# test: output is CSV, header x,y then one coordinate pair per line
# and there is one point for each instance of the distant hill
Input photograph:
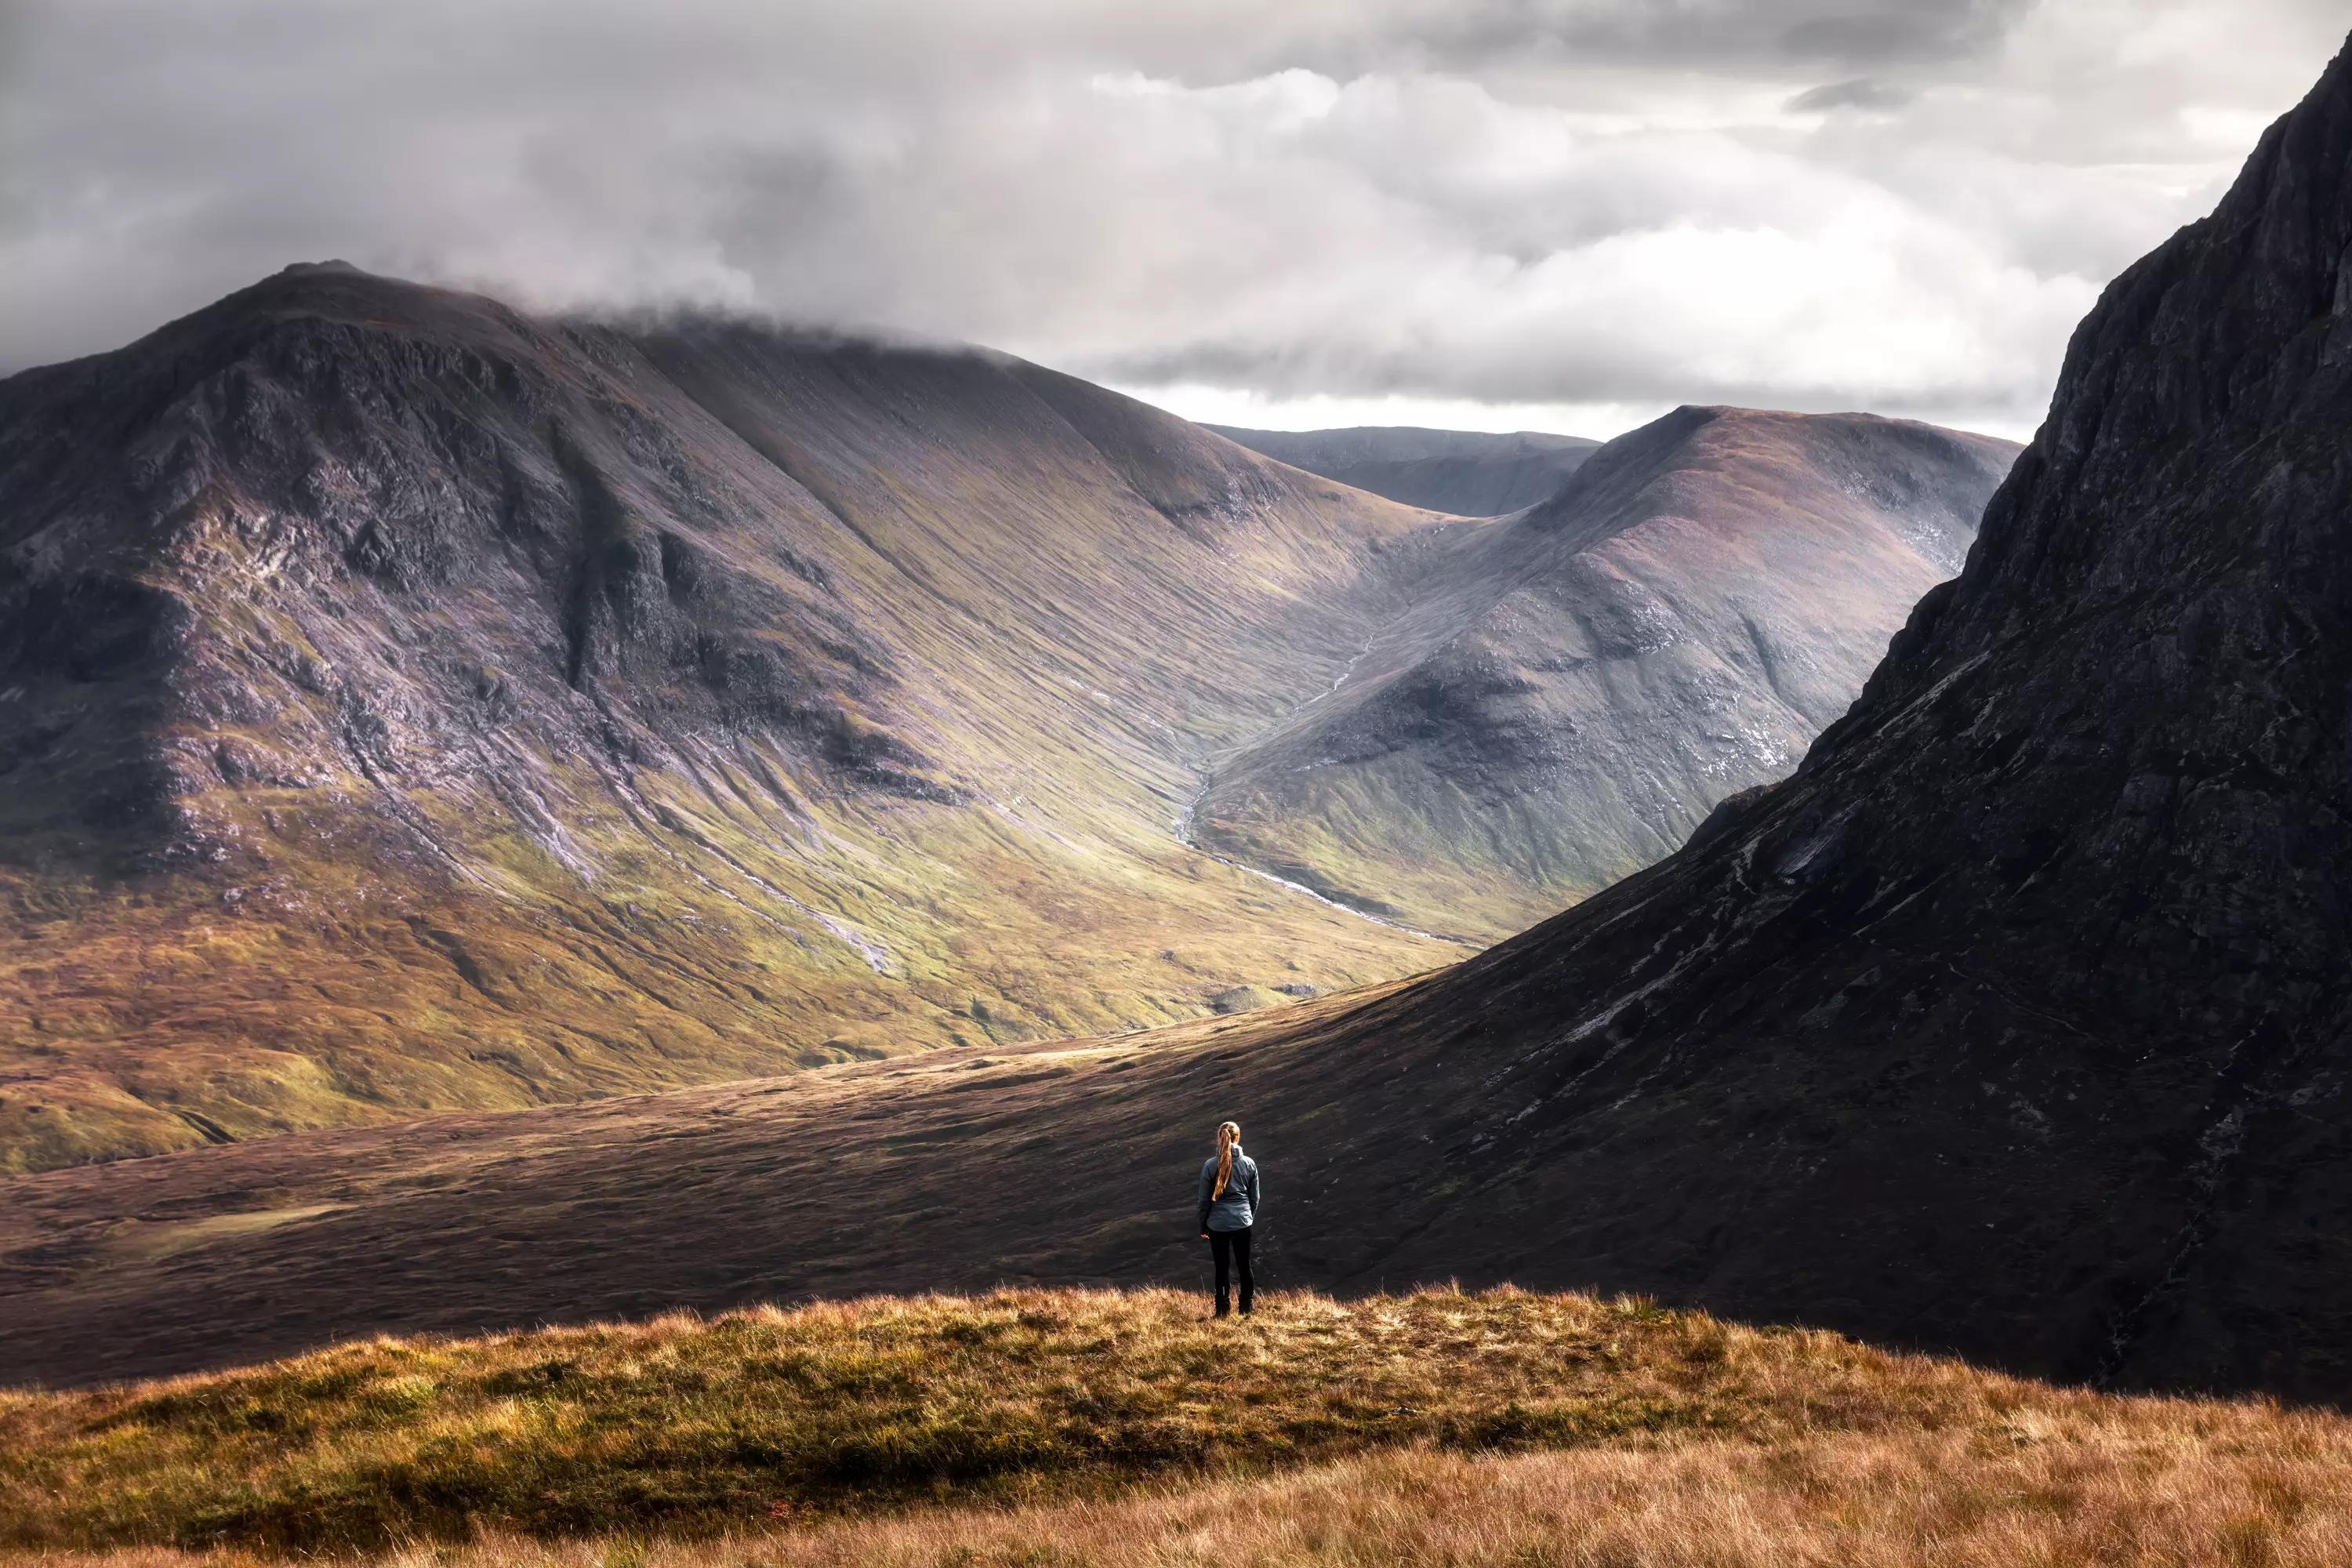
x,y
1576,688
1469,473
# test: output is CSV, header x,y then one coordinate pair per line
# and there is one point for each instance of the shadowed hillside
x,y
1466,473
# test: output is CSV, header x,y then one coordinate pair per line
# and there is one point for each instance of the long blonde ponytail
x,y
1229,1138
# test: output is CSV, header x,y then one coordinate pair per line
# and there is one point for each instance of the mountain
x,y
1469,473
1579,685
406,704
2012,1023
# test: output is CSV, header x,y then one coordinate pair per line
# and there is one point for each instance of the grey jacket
x,y
1237,1210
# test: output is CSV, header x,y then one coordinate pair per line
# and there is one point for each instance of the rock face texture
x,y
1577,686
1466,473
408,704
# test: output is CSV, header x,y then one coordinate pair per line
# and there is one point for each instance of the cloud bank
x,y
1564,212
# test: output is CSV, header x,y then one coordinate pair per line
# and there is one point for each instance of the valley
x,y
2010,1025
653,916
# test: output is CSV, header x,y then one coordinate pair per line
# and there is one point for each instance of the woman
x,y
1229,1202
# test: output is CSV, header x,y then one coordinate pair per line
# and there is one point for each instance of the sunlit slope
x,y
407,703
1581,684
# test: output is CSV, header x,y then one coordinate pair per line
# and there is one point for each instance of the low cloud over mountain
x,y
1597,208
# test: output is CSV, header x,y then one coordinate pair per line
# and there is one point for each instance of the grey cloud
x,y
1770,35
1860,93
1520,201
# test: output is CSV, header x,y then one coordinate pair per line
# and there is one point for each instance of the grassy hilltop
x,y
1096,1427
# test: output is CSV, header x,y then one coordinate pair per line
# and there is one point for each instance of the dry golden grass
x,y
1079,1427
2170,1487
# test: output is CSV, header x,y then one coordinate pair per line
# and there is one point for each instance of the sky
x,y
1563,214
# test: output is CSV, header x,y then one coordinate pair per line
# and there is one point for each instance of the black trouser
x,y
1228,1247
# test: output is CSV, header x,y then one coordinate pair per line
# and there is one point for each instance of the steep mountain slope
x,y
2015,1022
1579,685
1466,473
405,703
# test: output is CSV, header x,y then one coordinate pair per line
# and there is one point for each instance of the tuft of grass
x,y
683,1429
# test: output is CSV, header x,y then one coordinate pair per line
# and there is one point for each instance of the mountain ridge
x,y
1589,677
388,671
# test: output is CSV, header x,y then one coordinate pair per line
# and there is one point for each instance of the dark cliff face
x,y
1469,473
2016,1019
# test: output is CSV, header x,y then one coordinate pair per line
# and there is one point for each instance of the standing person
x,y
1229,1200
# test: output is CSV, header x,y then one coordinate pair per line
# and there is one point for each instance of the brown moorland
x,y
1089,1426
